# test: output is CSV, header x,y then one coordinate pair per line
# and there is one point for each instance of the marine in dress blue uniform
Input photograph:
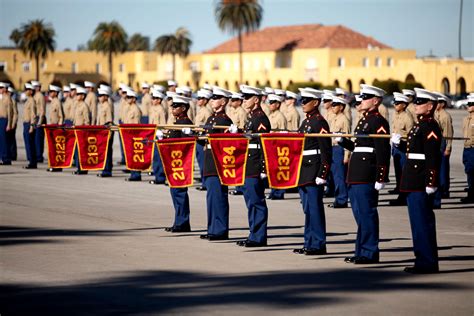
x,y
367,174
420,179
180,196
217,198
315,168
254,186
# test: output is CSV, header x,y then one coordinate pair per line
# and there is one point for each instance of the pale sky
x,y
424,25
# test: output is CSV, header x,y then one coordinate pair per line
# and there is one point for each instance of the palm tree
x,y
178,43
111,39
138,42
35,39
237,16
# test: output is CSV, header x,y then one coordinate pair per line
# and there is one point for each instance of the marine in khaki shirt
x,y
264,104
81,110
445,122
6,107
132,114
327,104
203,112
383,111
14,110
68,104
123,105
341,93
468,126
40,104
56,115
402,120
236,112
29,110
339,124
91,101
359,111
291,113
156,112
104,111
277,119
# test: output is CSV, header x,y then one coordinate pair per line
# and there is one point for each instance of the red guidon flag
x,y
230,155
283,155
137,141
61,143
177,156
92,146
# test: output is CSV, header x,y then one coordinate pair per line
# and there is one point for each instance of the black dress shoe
x,y
315,252
155,182
126,171
272,197
365,260
102,175
299,251
181,229
54,169
416,270
150,173
397,202
252,244
337,205
241,243
168,229
201,188
467,199
30,167
206,236
133,179
3,163
350,259
217,237
79,172
394,191
235,192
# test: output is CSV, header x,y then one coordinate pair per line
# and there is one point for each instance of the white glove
x,y
186,131
431,190
338,139
379,185
159,134
233,129
320,181
395,139
284,132
263,175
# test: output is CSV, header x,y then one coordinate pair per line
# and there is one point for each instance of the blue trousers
x,y
277,193
76,159
423,229
254,195
181,207
136,175
338,172
444,181
399,160
158,169
29,139
468,161
68,122
315,220
39,142
4,144
217,200
144,120
12,146
364,200
200,160
110,152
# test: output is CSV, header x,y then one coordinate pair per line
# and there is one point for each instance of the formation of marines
x,y
418,138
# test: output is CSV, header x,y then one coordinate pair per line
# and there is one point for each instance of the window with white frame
x,y
121,67
365,62
378,62
26,66
3,66
98,68
390,62
341,62
74,68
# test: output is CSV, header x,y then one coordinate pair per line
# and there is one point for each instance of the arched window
x,y
237,86
445,86
410,78
216,83
226,85
362,81
349,85
279,85
336,83
257,83
461,87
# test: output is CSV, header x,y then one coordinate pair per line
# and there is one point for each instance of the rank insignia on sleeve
x,y
432,134
323,131
261,126
381,130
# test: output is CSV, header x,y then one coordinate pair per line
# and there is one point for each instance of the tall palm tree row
x,y
138,42
111,39
35,39
238,16
178,43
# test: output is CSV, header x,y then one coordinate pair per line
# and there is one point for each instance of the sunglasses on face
x,y
177,105
200,98
248,96
102,95
156,98
336,104
217,97
274,101
305,100
420,101
327,100
358,103
367,96
398,102
235,100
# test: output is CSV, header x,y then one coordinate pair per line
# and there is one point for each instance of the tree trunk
x,y
110,70
174,67
240,58
37,68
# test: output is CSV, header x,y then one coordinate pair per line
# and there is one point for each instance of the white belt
x,y
208,146
416,156
311,152
364,150
254,146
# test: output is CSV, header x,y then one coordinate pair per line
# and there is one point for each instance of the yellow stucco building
x,y
274,56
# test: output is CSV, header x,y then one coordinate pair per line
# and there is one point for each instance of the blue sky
x,y
424,25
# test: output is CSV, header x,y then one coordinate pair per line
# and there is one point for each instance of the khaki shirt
x,y
91,101
411,109
133,115
6,109
348,114
292,118
468,130
15,113
238,116
111,105
384,111
56,115
156,115
445,122
192,110
402,122
81,114
146,103
68,109
265,107
104,113
29,111
329,116
123,106
40,106
277,120
340,124
202,115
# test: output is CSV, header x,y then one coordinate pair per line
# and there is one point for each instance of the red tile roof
x,y
298,36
